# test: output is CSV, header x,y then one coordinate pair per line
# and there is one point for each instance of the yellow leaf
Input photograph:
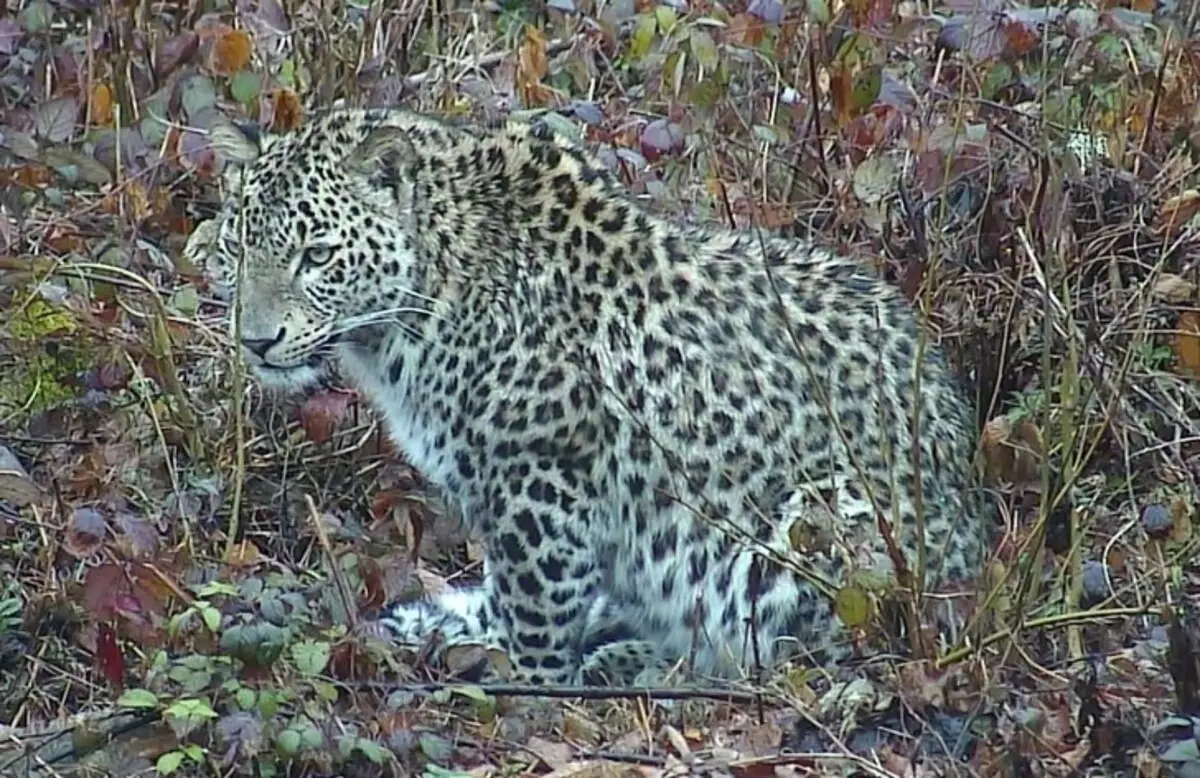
x,y
101,108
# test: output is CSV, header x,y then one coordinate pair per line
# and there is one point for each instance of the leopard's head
x,y
314,238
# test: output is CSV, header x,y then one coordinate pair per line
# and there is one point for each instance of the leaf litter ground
x,y
1026,175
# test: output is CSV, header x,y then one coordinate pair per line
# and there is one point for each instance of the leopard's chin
x,y
293,379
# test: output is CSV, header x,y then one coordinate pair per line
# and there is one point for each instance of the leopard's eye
x,y
315,256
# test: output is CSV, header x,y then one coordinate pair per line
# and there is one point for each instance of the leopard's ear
x,y
237,142
383,147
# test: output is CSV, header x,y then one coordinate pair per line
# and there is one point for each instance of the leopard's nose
x,y
260,346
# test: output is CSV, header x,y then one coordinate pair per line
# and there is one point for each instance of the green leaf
x,y
372,750
852,606
186,300
197,94
214,588
191,708
311,656
288,742
169,762
665,16
818,11
137,698
706,93
471,693
704,49
311,737
875,179
244,87
37,16
194,752
866,88
998,76
211,616
325,690
287,74
643,37
246,698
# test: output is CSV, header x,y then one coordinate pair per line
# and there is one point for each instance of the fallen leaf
x,y
1012,452
101,585
138,537
532,67
875,179
322,413
109,657
1187,342
55,119
1173,289
660,137
231,52
286,111
173,52
86,530
101,107
1178,211
243,554
16,486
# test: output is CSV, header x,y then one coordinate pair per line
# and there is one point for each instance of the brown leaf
x,y
1173,289
349,662
745,30
1012,453
243,554
231,52
1187,342
374,587
322,413
286,111
1178,211
86,530
841,89
138,536
383,502
15,484
532,67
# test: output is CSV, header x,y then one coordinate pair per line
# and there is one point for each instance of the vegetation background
x,y
189,569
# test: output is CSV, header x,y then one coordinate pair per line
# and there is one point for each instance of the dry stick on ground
x,y
335,568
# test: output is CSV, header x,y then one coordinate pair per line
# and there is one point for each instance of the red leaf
x,y
109,656
85,532
101,587
374,589
383,502
322,413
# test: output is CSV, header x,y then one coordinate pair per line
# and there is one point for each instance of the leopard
x,y
675,441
